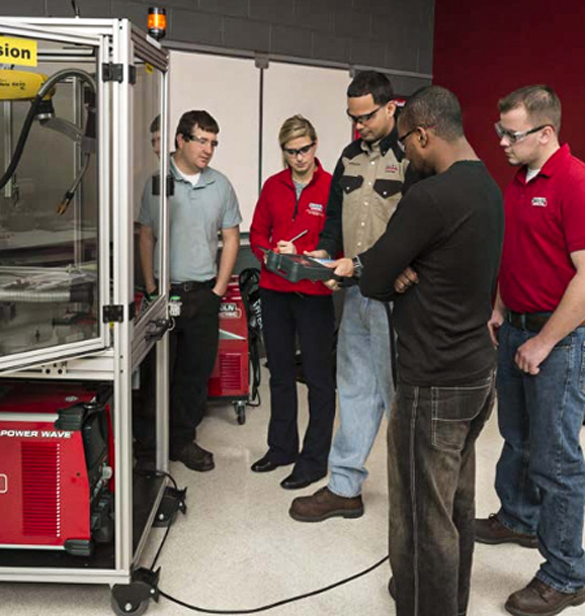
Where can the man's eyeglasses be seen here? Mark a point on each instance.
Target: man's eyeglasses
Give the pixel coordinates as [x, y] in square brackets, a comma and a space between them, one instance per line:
[514, 136]
[201, 140]
[365, 117]
[402, 140]
[300, 151]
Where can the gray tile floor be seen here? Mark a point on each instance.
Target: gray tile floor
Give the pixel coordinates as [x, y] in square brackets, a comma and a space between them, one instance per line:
[237, 548]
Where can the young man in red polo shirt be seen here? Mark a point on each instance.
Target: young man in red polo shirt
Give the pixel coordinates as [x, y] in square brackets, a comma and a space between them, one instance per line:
[538, 323]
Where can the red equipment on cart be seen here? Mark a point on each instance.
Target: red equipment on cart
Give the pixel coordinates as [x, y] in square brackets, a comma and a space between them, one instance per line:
[56, 467]
[231, 375]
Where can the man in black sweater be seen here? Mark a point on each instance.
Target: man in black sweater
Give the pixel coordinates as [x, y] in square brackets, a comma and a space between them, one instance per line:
[448, 228]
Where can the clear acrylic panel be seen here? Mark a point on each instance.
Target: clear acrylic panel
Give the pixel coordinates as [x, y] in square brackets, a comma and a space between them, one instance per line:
[49, 201]
[146, 167]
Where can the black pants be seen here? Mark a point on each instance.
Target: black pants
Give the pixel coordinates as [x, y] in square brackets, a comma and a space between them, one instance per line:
[284, 315]
[431, 472]
[193, 349]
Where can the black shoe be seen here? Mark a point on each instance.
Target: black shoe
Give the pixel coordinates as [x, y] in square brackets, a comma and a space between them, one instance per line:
[392, 588]
[297, 482]
[194, 457]
[265, 465]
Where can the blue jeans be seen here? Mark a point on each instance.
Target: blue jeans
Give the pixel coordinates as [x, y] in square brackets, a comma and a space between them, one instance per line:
[540, 476]
[431, 476]
[364, 388]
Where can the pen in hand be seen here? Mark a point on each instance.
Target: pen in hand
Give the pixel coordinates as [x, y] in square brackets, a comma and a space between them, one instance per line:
[296, 237]
[287, 246]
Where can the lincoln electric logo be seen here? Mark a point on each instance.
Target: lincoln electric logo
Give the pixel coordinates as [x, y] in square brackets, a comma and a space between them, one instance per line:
[35, 434]
[316, 209]
[539, 201]
[229, 311]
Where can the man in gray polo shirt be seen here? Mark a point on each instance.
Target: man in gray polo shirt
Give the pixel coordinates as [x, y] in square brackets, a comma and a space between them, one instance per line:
[204, 203]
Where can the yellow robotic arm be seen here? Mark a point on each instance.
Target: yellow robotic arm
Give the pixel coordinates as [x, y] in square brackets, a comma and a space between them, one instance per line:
[21, 85]
[38, 88]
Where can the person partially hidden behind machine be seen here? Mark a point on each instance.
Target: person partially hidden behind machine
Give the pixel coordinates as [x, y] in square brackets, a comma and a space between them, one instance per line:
[204, 204]
[289, 216]
[446, 359]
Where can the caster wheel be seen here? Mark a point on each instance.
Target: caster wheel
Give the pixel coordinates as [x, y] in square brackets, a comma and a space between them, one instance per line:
[133, 599]
[240, 408]
[129, 608]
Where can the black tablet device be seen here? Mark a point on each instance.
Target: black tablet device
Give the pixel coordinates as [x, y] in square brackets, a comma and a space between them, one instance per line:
[298, 267]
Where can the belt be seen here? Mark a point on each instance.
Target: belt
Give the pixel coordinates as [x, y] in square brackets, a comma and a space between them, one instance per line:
[193, 285]
[530, 321]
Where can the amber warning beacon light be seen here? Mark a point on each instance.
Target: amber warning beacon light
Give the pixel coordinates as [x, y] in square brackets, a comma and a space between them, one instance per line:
[157, 22]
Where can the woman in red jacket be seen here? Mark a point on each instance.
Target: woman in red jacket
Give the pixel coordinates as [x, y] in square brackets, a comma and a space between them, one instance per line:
[292, 204]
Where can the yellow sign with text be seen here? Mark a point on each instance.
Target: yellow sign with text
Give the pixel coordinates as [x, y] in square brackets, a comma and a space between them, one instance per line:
[22, 52]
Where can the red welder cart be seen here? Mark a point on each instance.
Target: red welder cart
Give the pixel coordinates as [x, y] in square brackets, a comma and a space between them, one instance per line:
[231, 375]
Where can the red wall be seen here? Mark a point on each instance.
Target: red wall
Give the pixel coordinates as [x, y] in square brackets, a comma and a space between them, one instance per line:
[485, 49]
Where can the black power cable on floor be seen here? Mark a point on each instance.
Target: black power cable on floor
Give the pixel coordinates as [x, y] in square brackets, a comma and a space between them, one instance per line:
[278, 603]
[159, 473]
[164, 539]
[256, 610]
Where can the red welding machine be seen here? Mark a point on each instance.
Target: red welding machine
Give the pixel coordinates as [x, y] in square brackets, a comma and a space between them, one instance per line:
[56, 489]
[231, 375]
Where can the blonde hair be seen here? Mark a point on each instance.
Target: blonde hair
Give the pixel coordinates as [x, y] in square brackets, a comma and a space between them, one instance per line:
[293, 128]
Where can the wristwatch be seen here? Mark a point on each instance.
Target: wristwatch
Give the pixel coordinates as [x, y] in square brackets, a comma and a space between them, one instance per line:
[357, 267]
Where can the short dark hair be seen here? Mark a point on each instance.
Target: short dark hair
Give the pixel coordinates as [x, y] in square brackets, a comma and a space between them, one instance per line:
[155, 125]
[436, 107]
[541, 102]
[374, 83]
[196, 117]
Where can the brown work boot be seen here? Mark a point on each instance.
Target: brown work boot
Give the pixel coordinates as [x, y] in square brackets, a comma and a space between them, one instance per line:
[324, 504]
[492, 531]
[194, 457]
[539, 599]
